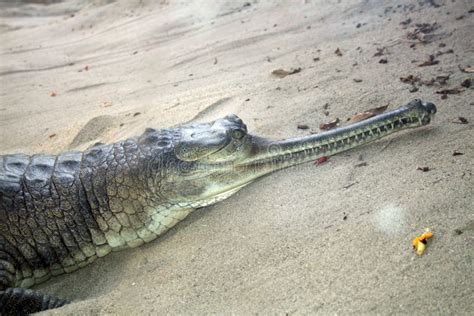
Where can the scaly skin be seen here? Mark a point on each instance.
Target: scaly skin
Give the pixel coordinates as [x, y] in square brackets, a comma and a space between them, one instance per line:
[59, 213]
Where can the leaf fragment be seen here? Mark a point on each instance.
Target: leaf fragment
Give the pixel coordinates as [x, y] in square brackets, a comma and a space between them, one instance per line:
[410, 79]
[367, 114]
[282, 73]
[329, 125]
[461, 120]
[321, 160]
[449, 91]
[424, 169]
[468, 69]
[430, 62]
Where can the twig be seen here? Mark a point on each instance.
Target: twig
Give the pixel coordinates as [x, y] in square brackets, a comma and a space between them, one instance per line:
[347, 186]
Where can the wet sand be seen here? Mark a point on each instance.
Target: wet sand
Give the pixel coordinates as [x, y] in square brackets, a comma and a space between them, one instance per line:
[334, 238]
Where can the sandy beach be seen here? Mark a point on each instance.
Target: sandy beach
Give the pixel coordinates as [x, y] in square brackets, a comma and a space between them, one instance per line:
[333, 238]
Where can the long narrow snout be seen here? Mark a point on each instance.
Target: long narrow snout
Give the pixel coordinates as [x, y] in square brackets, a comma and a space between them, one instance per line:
[269, 156]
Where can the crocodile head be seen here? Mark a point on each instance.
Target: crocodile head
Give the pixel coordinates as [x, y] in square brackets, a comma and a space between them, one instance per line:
[216, 159]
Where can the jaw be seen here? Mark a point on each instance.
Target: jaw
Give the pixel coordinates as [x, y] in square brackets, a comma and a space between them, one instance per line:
[268, 156]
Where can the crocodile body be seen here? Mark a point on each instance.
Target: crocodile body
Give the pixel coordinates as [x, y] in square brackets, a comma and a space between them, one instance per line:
[60, 213]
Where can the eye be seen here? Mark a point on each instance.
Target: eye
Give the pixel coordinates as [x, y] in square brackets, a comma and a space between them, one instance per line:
[237, 134]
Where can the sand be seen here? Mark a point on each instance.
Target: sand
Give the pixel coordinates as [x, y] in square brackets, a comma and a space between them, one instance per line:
[334, 238]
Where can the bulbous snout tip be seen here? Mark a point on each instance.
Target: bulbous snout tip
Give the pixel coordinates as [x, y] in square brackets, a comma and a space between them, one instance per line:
[429, 107]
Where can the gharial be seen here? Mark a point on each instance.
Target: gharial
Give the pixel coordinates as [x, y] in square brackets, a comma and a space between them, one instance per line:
[60, 213]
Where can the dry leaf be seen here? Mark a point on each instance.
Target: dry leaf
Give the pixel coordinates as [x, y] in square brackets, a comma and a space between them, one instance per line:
[430, 62]
[282, 73]
[106, 104]
[330, 125]
[380, 52]
[360, 117]
[441, 79]
[467, 83]
[450, 91]
[413, 89]
[448, 51]
[422, 32]
[378, 110]
[468, 69]
[321, 160]
[461, 120]
[406, 22]
[409, 79]
[368, 114]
